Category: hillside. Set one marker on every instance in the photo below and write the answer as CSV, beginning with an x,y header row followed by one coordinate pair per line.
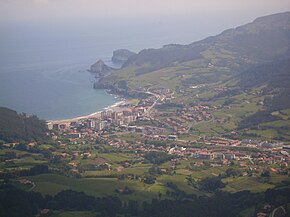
x,y
259,100
20,127
210,60
245,71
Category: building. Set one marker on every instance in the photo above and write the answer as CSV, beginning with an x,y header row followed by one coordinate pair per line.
x,y
230,156
139,129
219,156
92,124
127,112
106,114
116,115
172,137
50,126
205,155
129,119
55,126
100,125
74,135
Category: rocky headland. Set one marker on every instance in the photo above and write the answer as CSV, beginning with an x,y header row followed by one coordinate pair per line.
x,y
100,69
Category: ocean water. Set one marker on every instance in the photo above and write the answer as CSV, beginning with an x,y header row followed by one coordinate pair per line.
x,y
43,67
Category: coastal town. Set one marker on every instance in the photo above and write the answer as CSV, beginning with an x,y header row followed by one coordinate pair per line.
x,y
159,131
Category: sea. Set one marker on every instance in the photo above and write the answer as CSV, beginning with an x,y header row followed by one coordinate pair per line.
x,y
44,66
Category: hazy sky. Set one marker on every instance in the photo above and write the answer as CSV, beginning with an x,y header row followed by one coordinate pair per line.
x,y
195,19
62,10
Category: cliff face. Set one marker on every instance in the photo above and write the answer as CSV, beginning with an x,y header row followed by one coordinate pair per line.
x,y
100,69
122,55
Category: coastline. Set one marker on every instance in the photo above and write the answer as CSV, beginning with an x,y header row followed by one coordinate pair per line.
x,y
97,114
114,107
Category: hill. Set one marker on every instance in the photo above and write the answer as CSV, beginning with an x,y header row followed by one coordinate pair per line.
x,y
244,70
210,60
20,127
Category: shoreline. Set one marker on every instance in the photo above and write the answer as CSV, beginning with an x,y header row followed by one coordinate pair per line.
x,y
121,101
92,115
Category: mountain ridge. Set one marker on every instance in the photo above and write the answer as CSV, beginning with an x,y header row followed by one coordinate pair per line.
x,y
227,39
230,51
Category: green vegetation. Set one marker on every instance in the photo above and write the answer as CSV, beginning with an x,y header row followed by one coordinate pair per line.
x,y
15,202
157,157
20,127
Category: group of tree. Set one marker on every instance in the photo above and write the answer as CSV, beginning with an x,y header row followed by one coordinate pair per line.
x,y
33,171
211,184
21,127
15,202
157,157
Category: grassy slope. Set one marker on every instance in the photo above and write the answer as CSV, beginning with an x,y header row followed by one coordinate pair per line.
x,y
52,184
220,62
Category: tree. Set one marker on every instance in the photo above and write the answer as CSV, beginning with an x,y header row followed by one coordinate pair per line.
x,y
157,157
232,172
211,184
149,180
265,173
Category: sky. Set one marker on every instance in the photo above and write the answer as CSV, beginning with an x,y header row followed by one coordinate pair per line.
x,y
64,10
195,19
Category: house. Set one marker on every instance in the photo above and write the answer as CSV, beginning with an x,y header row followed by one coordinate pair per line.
x,y
74,135
205,155
230,156
87,154
64,155
172,137
262,214
43,212
219,156
119,169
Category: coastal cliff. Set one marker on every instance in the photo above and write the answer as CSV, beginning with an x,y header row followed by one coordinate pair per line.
x,y
100,69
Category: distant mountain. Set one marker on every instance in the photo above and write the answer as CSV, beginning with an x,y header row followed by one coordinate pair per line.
x,y
20,127
214,58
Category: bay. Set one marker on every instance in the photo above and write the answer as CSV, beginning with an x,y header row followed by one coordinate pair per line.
x,y
43,67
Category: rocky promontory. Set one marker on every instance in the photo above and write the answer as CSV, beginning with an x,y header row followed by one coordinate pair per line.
x,y
122,55
100,69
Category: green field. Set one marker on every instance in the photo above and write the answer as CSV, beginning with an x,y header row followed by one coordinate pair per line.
x,y
51,184
245,183
117,157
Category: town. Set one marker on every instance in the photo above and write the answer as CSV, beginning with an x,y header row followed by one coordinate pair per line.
x,y
161,131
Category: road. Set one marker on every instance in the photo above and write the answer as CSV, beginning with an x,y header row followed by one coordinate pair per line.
x,y
158,97
33,186
278,212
